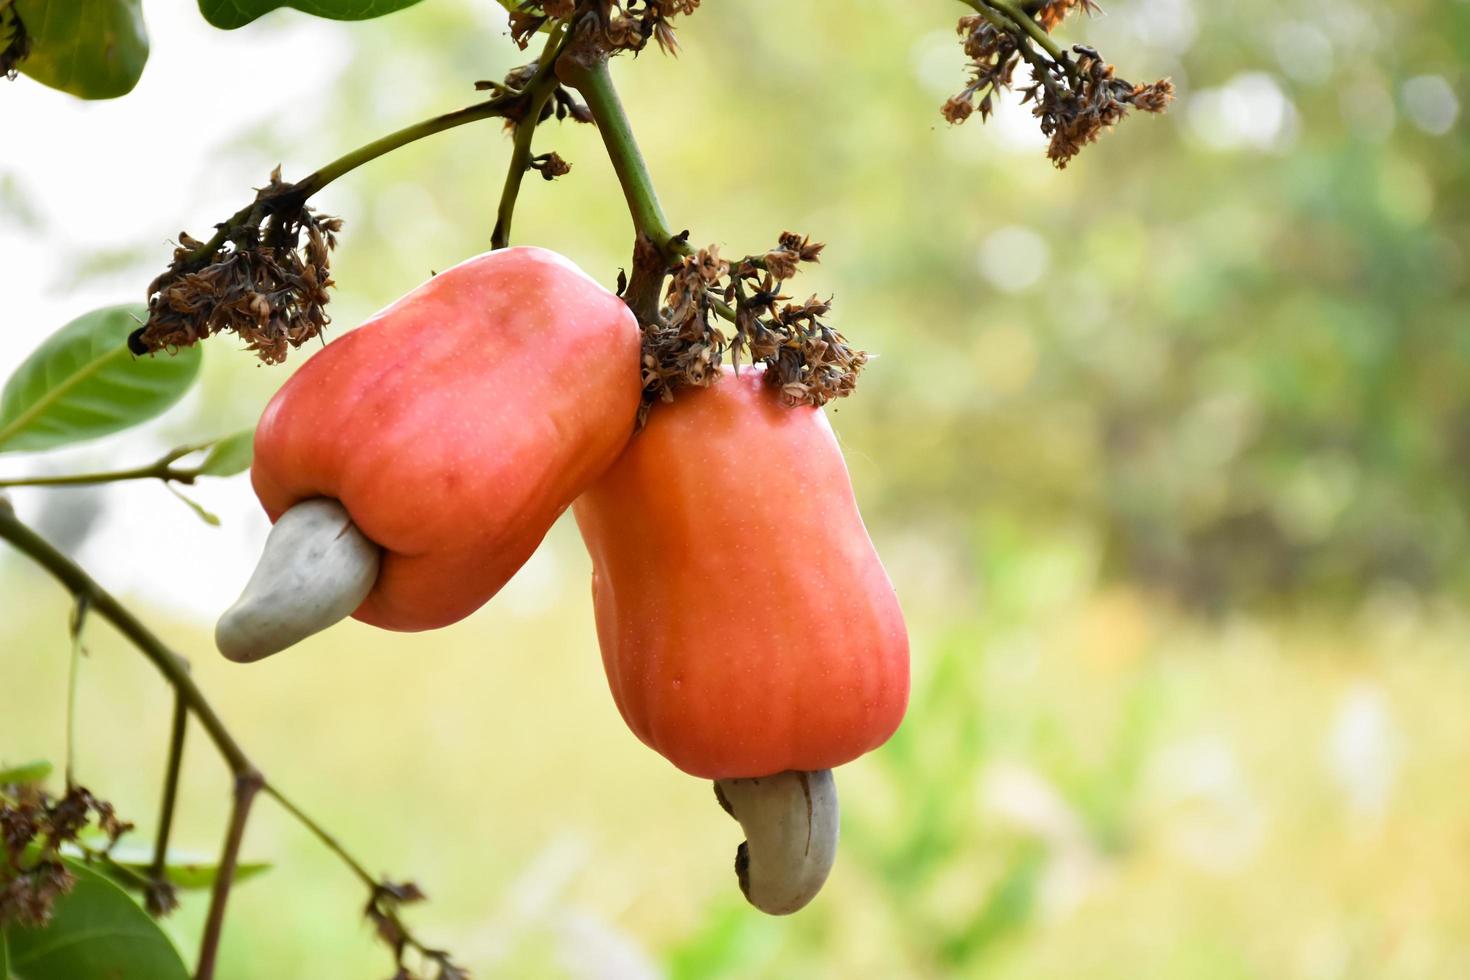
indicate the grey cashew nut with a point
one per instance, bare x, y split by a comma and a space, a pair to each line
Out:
790, 823
316, 569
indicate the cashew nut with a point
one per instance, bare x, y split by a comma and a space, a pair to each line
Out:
790, 824
316, 569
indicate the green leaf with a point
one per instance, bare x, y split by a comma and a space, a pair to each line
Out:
31, 772
230, 14
230, 455
83, 382
183, 870
96, 931
94, 49
4, 957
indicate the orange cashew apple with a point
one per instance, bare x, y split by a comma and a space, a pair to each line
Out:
413, 465
748, 630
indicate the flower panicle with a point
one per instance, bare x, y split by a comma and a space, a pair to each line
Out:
804, 357
1075, 98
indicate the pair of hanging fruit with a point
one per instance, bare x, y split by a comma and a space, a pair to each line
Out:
748, 630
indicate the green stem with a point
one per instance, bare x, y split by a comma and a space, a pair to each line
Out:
78, 622
362, 873
161, 470
170, 788
725, 310
591, 77
1025, 22
349, 162
321, 834
246, 786
539, 90
502, 105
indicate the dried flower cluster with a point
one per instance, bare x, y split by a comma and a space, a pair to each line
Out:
624, 25
33, 827
266, 279
994, 55
1077, 107
1076, 100
810, 362
550, 165
15, 43
382, 911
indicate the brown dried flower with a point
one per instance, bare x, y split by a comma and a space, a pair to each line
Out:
33, 827
685, 347
1076, 101
621, 25
993, 55
549, 165
1154, 97
1078, 107
958, 108
808, 361
565, 105
159, 897
1053, 12
266, 279
382, 910
524, 24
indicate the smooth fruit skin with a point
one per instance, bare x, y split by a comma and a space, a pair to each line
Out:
456, 425
747, 626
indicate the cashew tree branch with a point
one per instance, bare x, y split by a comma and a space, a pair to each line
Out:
510, 104
247, 785
161, 469
177, 730
538, 92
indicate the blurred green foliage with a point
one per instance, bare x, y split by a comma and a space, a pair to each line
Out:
1167, 454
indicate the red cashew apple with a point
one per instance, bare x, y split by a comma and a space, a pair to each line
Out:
748, 630
413, 465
